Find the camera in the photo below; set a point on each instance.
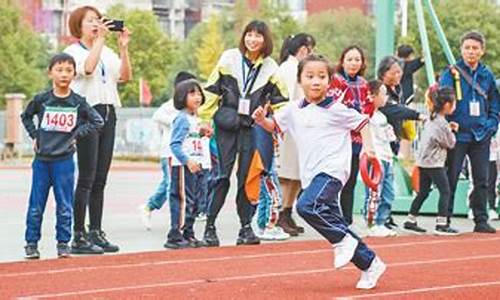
(114, 25)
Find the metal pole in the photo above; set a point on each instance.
(404, 18)
(440, 33)
(429, 68)
(384, 44)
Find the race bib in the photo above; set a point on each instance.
(60, 119)
(194, 145)
(474, 109)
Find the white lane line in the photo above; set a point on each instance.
(246, 277)
(231, 257)
(422, 290)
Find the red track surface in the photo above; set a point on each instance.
(419, 267)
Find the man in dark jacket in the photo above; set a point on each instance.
(477, 114)
(410, 66)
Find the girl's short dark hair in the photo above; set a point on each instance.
(374, 86)
(339, 68)
(292, 44)
(183, 89)
(439, 96)
(311, 58)
(385, 64)
(261, 28)
(60, 58)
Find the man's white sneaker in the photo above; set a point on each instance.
(381, 231)
(370, 277)
(145, 216)
(492, 214)
(344, 251)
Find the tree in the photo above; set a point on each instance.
(213, 46)
(334, 30)
(151, 53)
(23, 55)
(457, 18)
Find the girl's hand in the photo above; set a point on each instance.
(259, 114)
(454, 126)
(124, 38)
(35, 147)
(193, 166)
(422, 117)
(369, 152)
(206, 130)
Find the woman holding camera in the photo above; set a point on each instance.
(99, 70)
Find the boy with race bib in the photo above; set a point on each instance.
(63, 116)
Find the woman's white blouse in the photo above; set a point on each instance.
(100, 87)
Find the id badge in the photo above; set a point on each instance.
(244, 106)
(474, 109)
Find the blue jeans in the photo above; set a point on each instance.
(161, 195)
(183, 202)
(60, 175)
(270, 200)
(203, 192)
(318, 204)
(385, 193)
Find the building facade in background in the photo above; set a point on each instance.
(176, 17)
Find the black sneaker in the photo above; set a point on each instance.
(210, 238)
(177, 244)
(294, 225)
(445, 230)
(412, 226)
(247, 236)
(484, 228)
(31, 251)
(98, 237)
(63, 250)
(193, 242)
(80, 245)
(390, 223)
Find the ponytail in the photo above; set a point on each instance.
(292, 44)
(285, 51)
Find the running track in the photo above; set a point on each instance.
(419, 267)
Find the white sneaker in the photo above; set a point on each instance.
(470, 214)
(344, 251)
(370, 277)
(145, 216)
(381, 231)
(492, 214)
(272, 234)
(201, 217)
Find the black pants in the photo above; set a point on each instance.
(427, 177)
(230, 144)
(95, 152)
(347, 195)
(479, 154)
(492, 185)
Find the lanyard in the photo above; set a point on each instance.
(248, 78)
(101, 64)
(474, 80)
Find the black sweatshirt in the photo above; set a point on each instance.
(60, 122)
